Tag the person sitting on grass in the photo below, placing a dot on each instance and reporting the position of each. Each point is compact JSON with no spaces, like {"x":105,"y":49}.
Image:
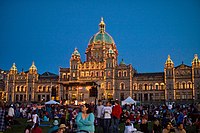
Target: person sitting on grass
{"x":28,"y":129}
{"x":36,"y":129}
{"x":180,"y":128}
{"x":62,"y":128}
{"x":54,"y":127}
{"x":85,"y":119}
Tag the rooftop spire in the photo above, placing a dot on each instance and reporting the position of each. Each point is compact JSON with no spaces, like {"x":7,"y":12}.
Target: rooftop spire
{"x":102,"y":26}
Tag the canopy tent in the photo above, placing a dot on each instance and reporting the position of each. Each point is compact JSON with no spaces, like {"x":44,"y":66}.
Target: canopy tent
{"x":52,"y":102}
{"x":129,"y":100}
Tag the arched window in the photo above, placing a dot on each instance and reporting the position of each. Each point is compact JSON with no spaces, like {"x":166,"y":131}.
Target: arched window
{"x":190,"y":85}
{"x":151,"y":87}
{"x":183,"y":85}
{"x":39,"y":88}
{"x":157,"y":86}
{"x":44,"y":88}
{"x":134,"y":87}
{"x":92,"y":74}
{"x":21,"y":88}
{"x":122,"y":86}
{"x":145,"y":87}
{"x":162,"y":86}
{"x":24,"y":88}
{"x":119,"y":74}
{"x":97,"y":74}
{"x":102,"y":73}
{"x":64,"y":76}
{"x":17,"y":89}
{"x":125,"y":74}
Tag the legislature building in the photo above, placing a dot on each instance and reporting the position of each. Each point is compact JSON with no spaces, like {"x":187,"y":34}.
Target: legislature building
{"x":100,"y":76}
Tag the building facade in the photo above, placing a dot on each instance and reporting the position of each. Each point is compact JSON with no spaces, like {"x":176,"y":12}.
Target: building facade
{"x":101,"y":77}
{"x":29,"y":85}
{"x":118,"y":81}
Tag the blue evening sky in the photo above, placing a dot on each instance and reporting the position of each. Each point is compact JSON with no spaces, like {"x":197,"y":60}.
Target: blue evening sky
{"x":145,"y":31}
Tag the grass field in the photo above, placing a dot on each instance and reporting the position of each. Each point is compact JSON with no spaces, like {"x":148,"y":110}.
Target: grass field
{"x":19,"y":128}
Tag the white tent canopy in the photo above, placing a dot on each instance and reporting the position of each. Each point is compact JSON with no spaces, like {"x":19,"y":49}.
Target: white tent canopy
{"x":128,"y":100}
{"x":52,"y":102}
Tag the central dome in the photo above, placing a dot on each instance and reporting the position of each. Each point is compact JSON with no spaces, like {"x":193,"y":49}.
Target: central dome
{"x":101,"y":36}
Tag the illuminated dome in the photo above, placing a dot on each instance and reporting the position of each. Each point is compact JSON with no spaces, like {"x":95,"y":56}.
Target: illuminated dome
{"x":101,"y":36}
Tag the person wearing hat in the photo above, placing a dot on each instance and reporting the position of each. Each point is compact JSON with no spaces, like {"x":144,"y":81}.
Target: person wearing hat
{"x":62,"y":128}
{"x":54,"y":127}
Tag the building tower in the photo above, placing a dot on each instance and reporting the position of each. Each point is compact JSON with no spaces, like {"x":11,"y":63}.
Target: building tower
{"x":196,"y":77}
{"x":11,"y":77}
{"x":32,"y":80}
{"x":99,"y":45}
{"x":74,"y":65}
{"x":169,"y":80}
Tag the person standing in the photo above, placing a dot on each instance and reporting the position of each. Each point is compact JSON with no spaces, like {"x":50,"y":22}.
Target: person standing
{"x":11,"y":113}
{"x":116,"y":113}
{"x":85,"y":119}
{"x":2,"y":117}
{"x":99,"y":114}
{"x":106,"y":111}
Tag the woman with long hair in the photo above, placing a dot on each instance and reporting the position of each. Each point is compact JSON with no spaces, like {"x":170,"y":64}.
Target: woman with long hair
{"x":85,"y":119}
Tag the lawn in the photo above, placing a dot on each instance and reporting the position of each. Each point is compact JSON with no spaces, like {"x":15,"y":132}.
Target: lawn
{"x":19,"y":128}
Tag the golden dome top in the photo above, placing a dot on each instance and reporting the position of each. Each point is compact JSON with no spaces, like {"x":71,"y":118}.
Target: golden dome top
{"x":33,"y":67}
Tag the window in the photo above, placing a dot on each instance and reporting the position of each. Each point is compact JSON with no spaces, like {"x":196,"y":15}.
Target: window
{"x":17,"y":89}
{"x":87,"y":74}
{"x":92,"y":74}
{"x":125,"y":74}
{"x":151,"y":87}
{"x":122,"y":86}
{"x":102,"y":73}
{"x":64,"y":76}
{"x":119,"y":74}
{"x":162,"y":86}
{"x":177,"y":85}
{"x":30,"y":89}
{"x":109,"y":73}
{"x":73,"y":75}
{"x":134,"y":87}
{"x":109,"y":85}
{"x":145,"y":87}
{"x":178,"y":96}
{"x":183,"y":96}
{"x":183,"y":85}
{"x":82,"y":74}
{"x":189,"y":85}
{"x":157,"y":86}
{"x":97,"y":74}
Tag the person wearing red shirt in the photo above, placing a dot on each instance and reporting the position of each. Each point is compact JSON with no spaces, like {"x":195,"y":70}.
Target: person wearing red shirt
{"x":36,"y":129}
{"x":116,"y":113}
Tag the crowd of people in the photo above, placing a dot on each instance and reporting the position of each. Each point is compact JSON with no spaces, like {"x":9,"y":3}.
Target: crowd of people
{"x":104,"y":117}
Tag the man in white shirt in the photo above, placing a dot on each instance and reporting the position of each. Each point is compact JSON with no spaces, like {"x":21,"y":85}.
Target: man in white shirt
{"x":11,"y":113}
{"x":106,"y":111}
